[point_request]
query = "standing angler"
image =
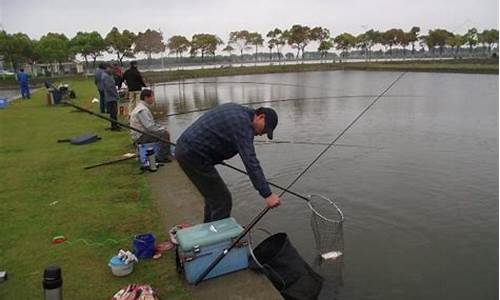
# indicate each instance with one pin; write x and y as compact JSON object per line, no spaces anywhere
{"x":220,"y":134}
{"x":135,"y":83}
{"x":111,"y":96}
{"x":23,"y":80}
{"x":98,"y":82}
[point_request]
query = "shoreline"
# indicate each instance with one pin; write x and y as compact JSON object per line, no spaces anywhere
{"x":473,"y":66}
{"x":465,"y":66}
{"x":178,"y":201}
{"x":99,"y":211}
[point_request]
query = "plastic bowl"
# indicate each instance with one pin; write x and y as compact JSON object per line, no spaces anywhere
{"x":119,"y":268}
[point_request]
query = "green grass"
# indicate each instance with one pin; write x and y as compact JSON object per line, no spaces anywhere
{"x":100,"y":206}
{"x":11,"y":83}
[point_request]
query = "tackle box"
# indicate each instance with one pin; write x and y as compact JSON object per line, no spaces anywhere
{"x":200,"y":245}
{"x":142,"y":150}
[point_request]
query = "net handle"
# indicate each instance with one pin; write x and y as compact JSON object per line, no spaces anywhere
{"x":320,"y":215}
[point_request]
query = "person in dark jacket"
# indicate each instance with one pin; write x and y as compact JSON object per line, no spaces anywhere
{"x":111,"y":96}
{"x":23,"y":80}
{"x":117,"y":75}
{"x":135,"y":83}
{"x":101,"y":68}
{"x":220,"y":134}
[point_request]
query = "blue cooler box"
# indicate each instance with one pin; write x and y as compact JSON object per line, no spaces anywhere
{"x":143,"y":148}
{"x":200,"y":245}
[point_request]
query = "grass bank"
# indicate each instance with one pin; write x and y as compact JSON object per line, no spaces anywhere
{"x":45,"y":192}
{"x":479,"y":66}
{"x":11,"y":83}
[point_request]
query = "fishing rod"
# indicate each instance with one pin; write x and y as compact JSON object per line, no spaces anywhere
{"x":263,"y":142}
{"x":280,"y":100}
{"x":239,"y":82}
{"x":159,"y":138}
{"x":267,"y":208}
{"x":290,"y":142}
{"x":110,"y":162}
{"x":270,"y":101}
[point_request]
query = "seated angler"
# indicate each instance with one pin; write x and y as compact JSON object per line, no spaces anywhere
{"x":142,"y":119}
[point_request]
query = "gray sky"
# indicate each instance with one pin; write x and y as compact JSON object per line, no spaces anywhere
{"x":222,"y":16}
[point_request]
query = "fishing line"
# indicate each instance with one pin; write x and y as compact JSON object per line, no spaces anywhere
{"x":159,"y":138}
{"x":281,"y":100}
{"x":270,"y":101}
{"x":238,"y":82}
{"x":263,"y":142}
{"x":267,"y":208}
{"x":93,"y":244}
{"x":344,"y":131}
{"x":284,"y":190}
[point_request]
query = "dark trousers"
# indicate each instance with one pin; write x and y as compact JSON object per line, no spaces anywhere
{"x":102,"y":102}
{"x":164,"y":147}
{"x":218,"y":202}
{"x":113,"y":112}
{"x":25,"y":91}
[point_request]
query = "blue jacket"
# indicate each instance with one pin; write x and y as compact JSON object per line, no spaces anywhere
{"x":22,"y":78}
{"x":109,"y":87}
{"x":220,"y":134}
{"x":98,"y":79}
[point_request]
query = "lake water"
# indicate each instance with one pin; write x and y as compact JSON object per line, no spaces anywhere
{"x":416,"y":176}
{"x":9,"y":93}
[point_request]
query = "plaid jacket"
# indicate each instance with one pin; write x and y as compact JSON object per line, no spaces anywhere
{"x":220,"y":134}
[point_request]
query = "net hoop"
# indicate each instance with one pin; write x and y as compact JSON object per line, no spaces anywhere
{"x":250,"y":243}
{"x":339,"y":211}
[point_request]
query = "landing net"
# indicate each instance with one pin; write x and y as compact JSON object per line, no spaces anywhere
{"x":327,"y":225}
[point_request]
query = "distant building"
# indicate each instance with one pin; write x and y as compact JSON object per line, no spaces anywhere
{"x":65,"y":68}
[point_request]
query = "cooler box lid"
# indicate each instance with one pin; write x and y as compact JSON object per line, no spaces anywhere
{"x":208,"y":234}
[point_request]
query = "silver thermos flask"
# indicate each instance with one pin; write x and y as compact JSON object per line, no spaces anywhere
{"x":150,"y":152}
{"x":52,"y":283}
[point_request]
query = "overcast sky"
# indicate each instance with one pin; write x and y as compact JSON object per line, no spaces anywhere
{"x":187,"y":17}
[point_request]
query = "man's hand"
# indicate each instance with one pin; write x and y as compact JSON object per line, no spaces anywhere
{"x":273,"y":201}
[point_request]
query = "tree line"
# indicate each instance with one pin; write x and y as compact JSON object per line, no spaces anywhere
{"x":19,"y":48}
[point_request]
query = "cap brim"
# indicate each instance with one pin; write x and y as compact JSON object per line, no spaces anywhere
{"x":270,"y":135}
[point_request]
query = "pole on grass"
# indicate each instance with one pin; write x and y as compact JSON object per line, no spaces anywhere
{"x":109,"y":162}
{"x":173,"y":144}
{"x":254,"y":221}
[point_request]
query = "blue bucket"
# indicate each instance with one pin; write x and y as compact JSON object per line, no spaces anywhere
{"x":144,"y":246}
{"x":142,"y":151}
{"x":3,"y":102}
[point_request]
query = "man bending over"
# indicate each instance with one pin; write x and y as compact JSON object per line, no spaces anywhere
{"x":220,"y":134}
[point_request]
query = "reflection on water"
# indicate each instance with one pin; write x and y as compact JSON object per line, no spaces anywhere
{"x":416,"y":177}
{"x":332,"y":272}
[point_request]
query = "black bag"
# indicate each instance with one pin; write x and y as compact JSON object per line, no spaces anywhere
{"x":286,"y":269}
{"x":81,"y":140}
